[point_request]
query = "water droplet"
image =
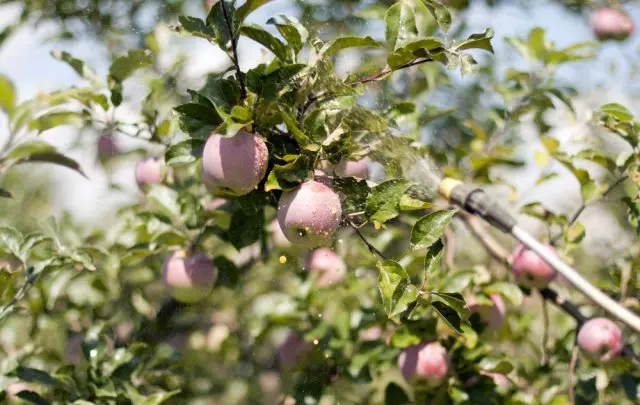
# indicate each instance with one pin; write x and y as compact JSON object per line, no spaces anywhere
{"x":315,"y":342}
{"x":283,"y":259}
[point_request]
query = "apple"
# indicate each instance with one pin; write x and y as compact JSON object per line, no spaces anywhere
{"x":310,"y":214}
{"x":611,"y":23}
{"x":428,"y":362}
{"x":370,"y":334}
{"x":234,"y":166}
{"x":149,"y":171}
{"x":600,"y":338}
{"x":492,"y":315}
{"x":292,"y":350}
{"x":189,"y":278}
{"x":350,"y":168}
{"x":530,"y":269}
{"x":329,"y":267}
{"x":107,"y":147}
{"x":278,"y":237}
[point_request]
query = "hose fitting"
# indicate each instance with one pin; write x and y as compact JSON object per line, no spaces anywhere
{"x":476,"y":201}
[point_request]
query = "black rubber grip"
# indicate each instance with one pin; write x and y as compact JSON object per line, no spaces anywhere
{"x":476,"y":201}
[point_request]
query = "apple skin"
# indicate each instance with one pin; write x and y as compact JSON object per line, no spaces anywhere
{"x":330,"y":267}
{"x":292,"y":350}
{"x":234,"y":166}
{"x":492,"y":315}
{"x":189,"y":278}
{"x":353,"y":168}
{"x":278,"y":237}
{"x":530,"y":269}
{"x":10,"y":264}
{"x":107,"y":147}
{"x":310,"y":214}
{"x":428,"y":362}
{"x":610,"y":23}
{"x":214,"y":204}
{"x":499,"y":380}
{"x":600,"y":338}
{"x":148,"y":171}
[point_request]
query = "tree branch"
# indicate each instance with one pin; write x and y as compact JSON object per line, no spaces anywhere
{"x":372,"y":248}
{"x":234,"y":50}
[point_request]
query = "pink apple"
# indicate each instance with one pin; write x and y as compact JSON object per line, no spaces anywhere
{"x":107,"y":147}
{"x":600,"y":338}
{"x":292,"y":350}
{"x":530,"y":269}
{"x":189,"y":278}
{"x":310,"y":214}
{"x":278,"y":237}
{"x":214,"y":204}
{"x":329,"y":267}
{"x":372,"y":333}
{"x":234,"y":166}
{"x":499,"y":379}
{"x":149,"y":171}
{"x":492,"y":315}
{"x":428,"y":362}
{"x":353,"y":168}
{"x":611,"y":23}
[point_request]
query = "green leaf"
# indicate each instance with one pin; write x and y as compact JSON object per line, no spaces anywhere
{"x":407,"y":203}
{"x":32,"y":398}
{"x":79,"y":66}
{"x":55,"y":119}
{"x":292,"y":30}
{"x":8,"y":95}
{"x":4,"y":193}
{"x":477,"y":41}
{"x":258,"y":34}
{"x":510,"y":291}
{"x":575,"y":233}
{"x":42,"y":152}
{"x":300,"y":137}
{"x":245,"y":228}
{"x":421,"y":48}
{"x":440,"y":13}
{"x":454,"y":300}
{"x":495,"y":364}
{"x":432,"y":262}
{"x":164,"y":200}
{"x":384,"y":200}
{"x":124,"y":66}
{"x":195,"y":27}
{"x":430,"y":228}
{"x":616,"y":110}
{"x":11,"y":239}
{"x":458,"y":281}
{"x":36,"y":376}
{"x":187,"y":151}
{"x":290,"y":175}
{"x":468,"y":65}
{"x":449,"y":315}
{"x":395,"y":288}
{"x":248,"y":7}
{"x":400,"y":21}
{"x":355,"y":190}
{"x":339,"y":44}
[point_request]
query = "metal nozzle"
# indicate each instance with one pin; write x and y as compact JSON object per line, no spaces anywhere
{"x":475,"y":201}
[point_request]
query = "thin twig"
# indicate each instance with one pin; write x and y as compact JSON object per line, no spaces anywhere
{"x":372,"y":248}
{"x":494,"y":248}
{"x":545,"y":332}
{"x":234,"y":49}
{"x":8,"y":308}
{"x":572,"y":375}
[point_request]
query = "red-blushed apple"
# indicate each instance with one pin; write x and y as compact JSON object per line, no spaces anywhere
{"x":611,"y":23}
{"x":310,"y":214}
{"x":234,"y":166}
{"x":530,"y":269}
{"x":278,"y":237}
{"x":327,"y":265}
{"x":600,"y":338}
{"x":492,"y":315}
{"x":428,"y":362}
{"x":10,"y":264}
{"x":370,"y":334}
{"x":189,"y":278}
{"x":107,"y":147}
{"x":292,"y":350}
{"x":149,"y":171}
{"x":353,"y":168}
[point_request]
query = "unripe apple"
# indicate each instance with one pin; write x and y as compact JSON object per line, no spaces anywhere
{"x":292,"y":350}
{"x":611,"y":23}
{"x":600,"y":338}
{"x":428,"y":362}
{"x":234,"y":165}
{"x":107,"y":147}
{"x":189,"y":278}
{"x":149,"y":171}
{"x":330,"y":267}
{"x":530,"y":269}
{"x":353,"y":168}
{"x":492,"y":315}
{"x":310,"y":214}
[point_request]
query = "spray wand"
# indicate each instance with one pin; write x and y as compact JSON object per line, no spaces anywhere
{"x":475,"y":201}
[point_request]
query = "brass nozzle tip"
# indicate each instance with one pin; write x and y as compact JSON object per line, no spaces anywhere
{"x":447,"y":185}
